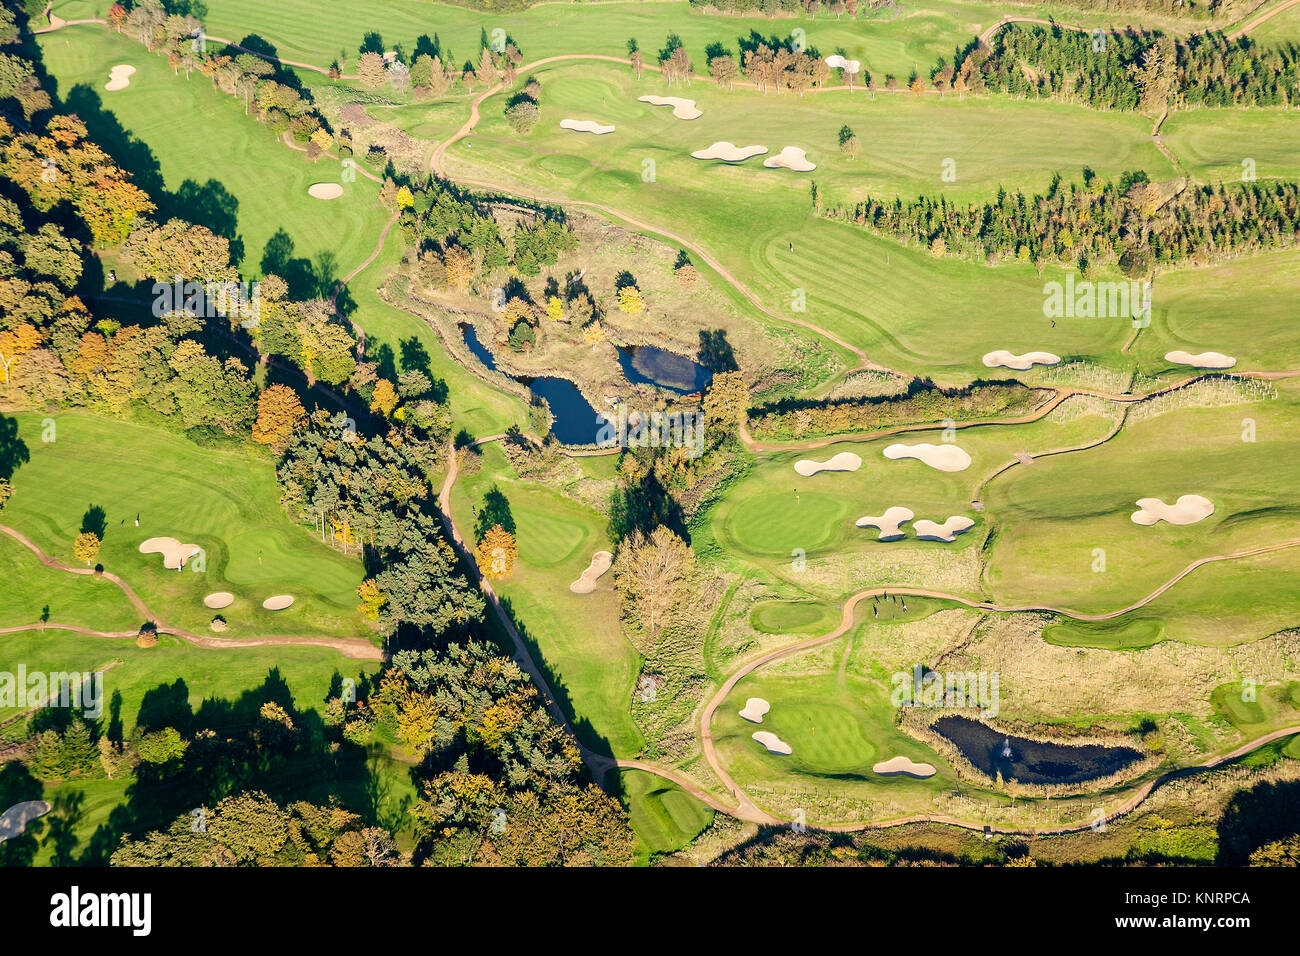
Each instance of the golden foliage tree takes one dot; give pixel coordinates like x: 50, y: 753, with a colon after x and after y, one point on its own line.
x: 279, y: 415
x: 496, y: 552
x: 653, y: 575
x: 86, y: 547
x: 372, y: 599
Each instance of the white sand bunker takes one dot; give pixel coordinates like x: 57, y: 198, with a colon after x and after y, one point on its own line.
x: 219, y: 599
x: 14, y: 820
x: 586, y: 126
x: 844, y: 461
x: 729, y: 152
x: 902, y: 766
x: 278, y: 603
x: 932, y: 531
x: 1188, y: 509
x: 324, y: 190
x: 1201, y: 359
x: 754, y: 710
x: 586, y: 583
x: 792, y: 157
x: 1001, y: 358
x: 943, y: 457
x: 682, y: 109
x: 119, y: 78
x: 837, y: 62
x: 174, y: 553
x: 773, y: 743
x: 888, y: 523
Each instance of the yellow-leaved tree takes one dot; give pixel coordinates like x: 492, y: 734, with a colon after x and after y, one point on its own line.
x: 496, y: 552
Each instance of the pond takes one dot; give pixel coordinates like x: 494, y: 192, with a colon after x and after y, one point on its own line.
x: 1032, y: 761
x: 648, y: 365
x: 575, y: 421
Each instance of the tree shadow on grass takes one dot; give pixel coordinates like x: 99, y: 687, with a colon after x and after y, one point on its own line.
x: 13, y: 450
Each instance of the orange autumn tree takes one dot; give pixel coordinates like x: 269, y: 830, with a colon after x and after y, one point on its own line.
x: 279, y: 415
x: 17, y: 342
x: 496, y: 553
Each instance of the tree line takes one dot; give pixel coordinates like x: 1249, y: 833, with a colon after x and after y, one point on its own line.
x: 1133, y: 223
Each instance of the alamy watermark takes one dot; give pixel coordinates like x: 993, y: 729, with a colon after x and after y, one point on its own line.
x: 921, y: 687
x: 29, y: 691
x: 209, y: 300
x: 1098, y: 300
x: 634, y: 429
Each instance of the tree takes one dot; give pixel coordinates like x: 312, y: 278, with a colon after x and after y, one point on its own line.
x: 726, y: 401
x: 15, y: 343
x: 496, y: 553
x: 630, y: 300
x: 653, y: 575
x: 372, y: 70
x: 522, y: 115
x: 372, y: 599
x: 638, y: 62
x: 279, y: 415
x: 554, y: 308
x: 86, y: 547
x: 848, y: 142
x: 1278, y: 853
x: 384, y: 398
x: 724, y: 70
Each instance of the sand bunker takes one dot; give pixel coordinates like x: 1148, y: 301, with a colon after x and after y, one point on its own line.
x: 931, y: 531
x: 754, y: 710
x: 729, y: 152
x: 586, y: 583
x: 902, y: 766
x: 1201, y: 359
x: 586, y: 126
x: 278, y: 603
x: 324, y: 190
x: 844, y: 461
x: 682, y: 109
x: 1001, y: 358
x: 942, y: 457
x: 174, y: 553
x: 119, y: 78
x: 792, y: 157
x: 888, y: 523
x: 837, y: 62
x: 219, y: 599
x: 14, y: 820
x: 1188, y: 509
x: 773, y: 743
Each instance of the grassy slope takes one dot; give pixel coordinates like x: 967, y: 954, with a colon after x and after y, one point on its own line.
x: 225, y: 501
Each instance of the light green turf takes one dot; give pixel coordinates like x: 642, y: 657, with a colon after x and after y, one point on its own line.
x: 225, y: 501
x: 664, y: 817
x: 579, y: 636
x: 792, y: 617
x: 1128, y: 633
x: 773, y: 511
x: 33, y: 591
x: 1212, y: 144
x: 1052, y: 517
x: 193, y: 132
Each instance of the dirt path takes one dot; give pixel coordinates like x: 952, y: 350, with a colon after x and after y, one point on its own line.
x: 347, y: 646
x: 1257, y: 18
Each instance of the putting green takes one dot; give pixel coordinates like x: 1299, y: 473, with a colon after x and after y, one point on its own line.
x: 792, y: 617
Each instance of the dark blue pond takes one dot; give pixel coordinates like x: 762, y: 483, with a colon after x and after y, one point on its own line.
x: 647, y: 365
x: 1032, y: 761
x: 575, y: 421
